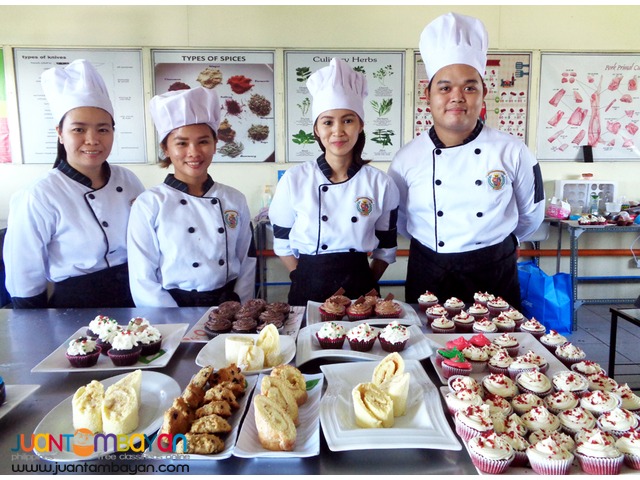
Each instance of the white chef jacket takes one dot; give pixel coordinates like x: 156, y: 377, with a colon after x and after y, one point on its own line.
x: 358, y: 215
x: 61, y: 227
x: 462, y: 198
x: 177, y: 240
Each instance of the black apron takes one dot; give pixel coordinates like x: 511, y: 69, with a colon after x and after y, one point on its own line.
x: 210, y: 298
x: 108, y: 288
x: 491, y: 269
x: 317, y: 277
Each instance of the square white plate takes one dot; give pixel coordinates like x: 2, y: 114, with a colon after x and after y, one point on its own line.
x: 407, y: 317
x: 418, y: 347
x: 423, y: 426
x: 171, y: 336
x: 16, y: 394
x: 307, y: 433
x: 213, y: 352
x: 229, y: 439
x: 157, y: 393
x: 526, y: 340
x: 291, y: 326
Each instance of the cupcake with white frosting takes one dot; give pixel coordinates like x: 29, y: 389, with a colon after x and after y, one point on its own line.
x: 548, y: 458
x: 491, y: 453
x: 597, y: 454
x: 617, y: 422
x: 629, y: 446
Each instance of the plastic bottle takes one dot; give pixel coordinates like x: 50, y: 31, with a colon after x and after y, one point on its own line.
x: 593, y: 206
x: 266, y: 196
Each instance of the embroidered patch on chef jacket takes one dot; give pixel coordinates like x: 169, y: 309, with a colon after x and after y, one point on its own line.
x: 231, y: 218
x: 497, y: 179
x: 364, y: 205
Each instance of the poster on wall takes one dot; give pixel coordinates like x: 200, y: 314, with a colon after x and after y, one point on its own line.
x: 122, y: 74
x: 506, y: 105
x: 383, y: 107
x: 244, y: 82
x: 589, y: 100
x: 5, y: 147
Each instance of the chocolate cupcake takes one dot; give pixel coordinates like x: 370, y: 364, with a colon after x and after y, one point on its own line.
x: 124, y: 350
x: 217, y: 325
x: 228, y: 309
x: 83, y: 352
x: 279, y: 307
x: 244, y: 325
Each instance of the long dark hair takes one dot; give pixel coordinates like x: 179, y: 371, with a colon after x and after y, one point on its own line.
x: 61, y: 153
x: 358, y: 148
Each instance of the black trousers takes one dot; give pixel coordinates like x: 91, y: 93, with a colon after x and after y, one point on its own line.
x: 103, y: 289
x: 491, y: 269
x: 320, y: 276
x: 210, y: 298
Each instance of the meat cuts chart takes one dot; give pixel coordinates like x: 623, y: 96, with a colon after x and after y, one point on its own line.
x: 589, y: 100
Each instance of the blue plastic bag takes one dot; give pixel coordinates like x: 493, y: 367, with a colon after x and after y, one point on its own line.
x: 546, y: 297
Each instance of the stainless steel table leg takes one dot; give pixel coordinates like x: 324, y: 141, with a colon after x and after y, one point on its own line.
x: 612, y: 344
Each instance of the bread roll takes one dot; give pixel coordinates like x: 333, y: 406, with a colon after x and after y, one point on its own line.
x: 392, y: 364
x: 120, y: 410
x: 86, y: 406
x: 373, y: 407
x: 276, y: 389
x: 269, y: 341
x: 232, y: 346
x: 250, y: 357
x: 397, y: 387
x: 276, y: 430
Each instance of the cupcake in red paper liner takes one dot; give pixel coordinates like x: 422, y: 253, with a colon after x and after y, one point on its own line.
x: 331, y: 311
x: 601, y: 381
x: 547, y: 457
x: 484, y: 325
x: 499, y: 363
x: 630, y: 401
x: 560, y: 401
x: 499, y: 384
x: 371, y: 298
x: 473, y: 421
x: 443, y: 325
x: 524, y: 402
x: 586, y: 367
x: 457, y: 365
x: 568, y: 353
x: 509, y: 343
x: 503, y: 323
x: 99, y: 323
x: 492, y: 349
x: 106, y: 336
x: 599, y: 402
x: 496, y: 306
x: 617, y: 422
x: 519, y: 445
x: 434, y: 312
x: 462, y: 399
x: 575, y: 420
x: 534, y: 327
x: 540, y: 418
x: 331, y: 335
x: 477, y: 357
x: 464, y: 382
x: 82, y: 352
x: 362, y: 337
x: 459, y: 342
x: 394, y: 337
x: 498, y: 405
x: 478, y: 311
x: 339, y: 297
x: 453, y: 306
x: 520, y: 364
x: 515, y: 315
x: 552, y: 340
x: 359, y: 310
x: 463, y: 322
x: 536, y: 359
x: 534, y: 382
x: 629, y: 445
x: 482, y: 297
x: 443, y: 353
x: 597, y: 454
x: 124, y: 350
x: 388, y: 308
x: 426, y: 300
x: 569, y: 381
x: 149, y: 337
x: 561, y: 438
x: 491, y: 453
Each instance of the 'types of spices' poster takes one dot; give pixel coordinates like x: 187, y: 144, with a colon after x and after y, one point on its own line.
x: 383, y: 107
x: 244, y: 82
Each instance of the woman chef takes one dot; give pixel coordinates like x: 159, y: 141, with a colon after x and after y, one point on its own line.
x: 328, y: 214
x: 70, y: 228
x: 190, y: 238
x: 468, y: 193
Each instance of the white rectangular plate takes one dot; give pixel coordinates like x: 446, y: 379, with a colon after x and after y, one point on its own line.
x: 418, y: 347
x: 229, y: 439
x: 307, y: 433
x: 407, y: 317
x: 213, y: 352
x: 291, y: 327
x: 157, y: 392
x: 171, y: 336
x: 526, y: 340
x: 16, y: 394
x: 423, y: 426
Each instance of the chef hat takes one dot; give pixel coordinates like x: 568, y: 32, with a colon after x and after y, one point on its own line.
x: 453, y: 38
x: 178, y: 108
x: 77, y: 85
x: 337, y: 86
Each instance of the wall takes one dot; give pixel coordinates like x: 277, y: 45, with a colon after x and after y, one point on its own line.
x: 573, y: 28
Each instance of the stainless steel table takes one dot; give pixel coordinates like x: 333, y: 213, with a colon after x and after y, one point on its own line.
x: 28, y: 336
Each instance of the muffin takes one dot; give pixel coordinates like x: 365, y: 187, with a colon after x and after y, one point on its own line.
x: 484, y: 325
x: 149, y: 338
x: 482, y: 297
x: 473, y: 421
x: 519, y: 444
x: 573, y: 420
x: 463, y: 322
x: 388, y: 308
x: 547, y: 457
x: 461, y: 399
x: 630, y: 401
x: 124, y: 350
x: 617, y: 422
x: 331, y: 311
x: 331, y: 335
x: 597, y: 454
x: 552, y: 340
x: 568, y: 353
x: 340, y: 298
x: 453, y: 306
x: 362, y: 337
x: 82, y: 352
x: 508, y: 342
x: 499, y: 363
x: 504, y: 323
x: 478, y: 311
x: 499, y: 384
x: 534, y: 327
x: 477, y: 357
x: 457, y: 365
x: 540, y: 418
x: 443, y: 325
x: 426, y: 300
x: 534, y: 382
x: 491, y: 453
x: 524, y: 402
x: 436, y: 311
x: 394, y: 337
x: 629, y: 446
x: 496, y: 306
x: 359, y: 310
x: 568, y: 381
x: 599, y: 402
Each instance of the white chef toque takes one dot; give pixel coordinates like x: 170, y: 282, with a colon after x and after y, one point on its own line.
x: 179, y: 108
x: 77, y: 85
x: 451, y: 39
x: 337, y: 86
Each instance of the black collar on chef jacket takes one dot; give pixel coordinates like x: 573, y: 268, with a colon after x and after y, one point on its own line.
x: 74, y: 174
x: 173, y: 182
x: 472, y: 136
x: 326, y: 170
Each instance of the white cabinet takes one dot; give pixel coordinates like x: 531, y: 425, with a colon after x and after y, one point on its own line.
x: 578, y: 192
